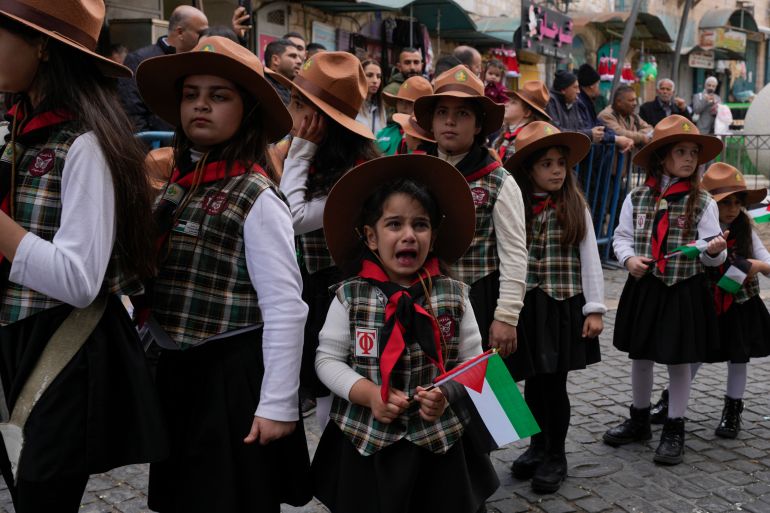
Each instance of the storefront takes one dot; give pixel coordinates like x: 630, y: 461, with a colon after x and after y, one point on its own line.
x: 543, y: 41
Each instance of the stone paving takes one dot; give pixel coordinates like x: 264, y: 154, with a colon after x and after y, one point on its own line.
x: 717, y: 475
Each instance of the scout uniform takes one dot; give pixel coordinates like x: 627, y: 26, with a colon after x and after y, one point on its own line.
x: 390, y: 138
x: 535, y: 95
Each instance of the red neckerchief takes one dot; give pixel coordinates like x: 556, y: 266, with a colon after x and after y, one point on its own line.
x: 540, y: 203
x: 508, y: 138
x: 405, y: 319
x: 24, y: 131
x: 723, y: 299
x: 660, y: 225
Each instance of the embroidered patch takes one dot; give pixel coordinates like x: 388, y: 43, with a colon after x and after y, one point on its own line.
x: 480, y: 196
x: 640, y: 220
x: 366, y: 343
x: 681, y: 222
x: 738, y: 177
x: 43, y: 163
x: 447, y: 325
x: 174, y: 193
x: 307, y: 64
x: 686, y: 127
x: 461, y: 76
x: 548, y: 130
x: 208, y: 48
x: 215, y: 204
x: 187, y: 228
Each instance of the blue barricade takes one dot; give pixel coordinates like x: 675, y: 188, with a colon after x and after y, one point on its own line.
x: 156, y: 139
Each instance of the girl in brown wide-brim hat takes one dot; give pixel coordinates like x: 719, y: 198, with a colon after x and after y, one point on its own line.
x: 327, y: 94
x: 561, y: 319
x: 460, y: 117
x: 75, y: 212
x: 391, y: 222
x: 227, y: 308
x: 666, y: 313
x: 524, y: 106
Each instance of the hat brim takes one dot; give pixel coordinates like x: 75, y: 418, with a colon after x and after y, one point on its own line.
x: 106, y: 67
x: 752, y: 195
x: 579, y: 145
x: 336, y: 114
x: 407, y: 124
x: 493, y: 112
x: 448, y: 186
x: 710, y: 147
x: 529, y: 104
x: 392, y: 99
x: 158, y: 80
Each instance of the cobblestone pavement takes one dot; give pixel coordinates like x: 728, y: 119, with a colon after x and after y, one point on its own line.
x: 717, y: 475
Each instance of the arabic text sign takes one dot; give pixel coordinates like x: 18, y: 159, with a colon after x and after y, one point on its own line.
x: 545, y: 31
x: 722, y: 38
x: 704, y: 59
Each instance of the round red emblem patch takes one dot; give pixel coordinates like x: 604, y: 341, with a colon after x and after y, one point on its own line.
x: 43, y: 163
x: 447, y: 325
x: 480, y: 196
x: 681, y: 222
x: 216, y: 203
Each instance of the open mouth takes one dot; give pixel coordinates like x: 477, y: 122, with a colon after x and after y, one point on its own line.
x: 406, y: 257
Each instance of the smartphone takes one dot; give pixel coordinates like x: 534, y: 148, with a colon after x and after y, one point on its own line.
x: 246, y: 4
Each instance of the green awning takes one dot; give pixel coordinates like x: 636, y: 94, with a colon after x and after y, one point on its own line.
x: 437, y: 15
x: 357, y: 5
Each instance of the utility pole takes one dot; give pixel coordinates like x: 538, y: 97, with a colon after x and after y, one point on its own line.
x: 679, y: 39
x: 626, y: 43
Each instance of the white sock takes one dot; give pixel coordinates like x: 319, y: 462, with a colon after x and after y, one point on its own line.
x: 678, y: 389
x: 641, y: 383
x: 736, y: 380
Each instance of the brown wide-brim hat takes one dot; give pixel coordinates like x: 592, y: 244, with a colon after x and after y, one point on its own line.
x: 535, y: 94
x: 159, y: 80
x: 410, y: 126
x: 675, y: 129
x: 334, y: 82
x: 342, y: 215
x: 722, y: 180
x: 75, y: 23
x: 460, y: 82
x: 541, y: 134
x: 412, y: 89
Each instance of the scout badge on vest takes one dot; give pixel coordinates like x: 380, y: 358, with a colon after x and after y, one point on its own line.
x: 367, y: 344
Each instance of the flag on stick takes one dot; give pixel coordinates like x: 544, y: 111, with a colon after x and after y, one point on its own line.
x: 496, y: 405
x: 691, y: 250
x: 761, y: 214
x: 732, y: 280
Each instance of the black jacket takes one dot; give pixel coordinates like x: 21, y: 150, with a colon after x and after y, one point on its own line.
x: 652, y: 111
x: 141, y: 116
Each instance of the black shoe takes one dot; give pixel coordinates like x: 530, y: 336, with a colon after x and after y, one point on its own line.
x: 550, y: 474
x: 525, y: 465
x: 307, y: 406
x: 730, y: 425
x: 671, y: 448
x: 634, y: 429
x: 659, y: 412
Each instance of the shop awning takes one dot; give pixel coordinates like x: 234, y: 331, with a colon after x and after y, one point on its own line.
x: 732, y: 18
x: 649, y: 29
x: 442, y: 16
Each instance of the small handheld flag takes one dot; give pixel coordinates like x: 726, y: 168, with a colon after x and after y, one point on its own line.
x: 761, y: 214
x: 691, y: 250
x: 496, y: 406
x: 732, y: 280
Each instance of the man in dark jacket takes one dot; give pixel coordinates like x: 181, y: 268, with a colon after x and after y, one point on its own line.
x: 566, y: 112
x: 588, y: 80
x: 664, y: 104
x: 185, y: 26
x: 409, y: 64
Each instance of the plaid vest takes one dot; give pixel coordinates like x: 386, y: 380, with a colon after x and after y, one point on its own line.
x: 314, y: 251
x: 553, y: 267
x: 38, y: 210
x: 481, y: 258
x: 203, y: 286
x: 366, y: 305
x: 679, y: 268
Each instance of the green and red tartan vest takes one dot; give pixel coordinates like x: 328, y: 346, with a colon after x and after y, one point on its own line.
x: 314, y: 251
x: 366, y: 306
x: 203, y: 286
x: 678, y: 268
x: 553, y: 267
x: 38, y: 210
x: 481, y: 258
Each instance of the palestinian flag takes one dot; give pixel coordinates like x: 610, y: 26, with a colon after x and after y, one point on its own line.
x: 490, y: 404
x: 732, y: 280
x: 691, y: 250
x: 761, y: 214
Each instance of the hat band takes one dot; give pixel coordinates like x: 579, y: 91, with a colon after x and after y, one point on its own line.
x: 531, y: 100
x: 48, y: 22
x: 458, y: 88
x: 325, y: 96
x: 732, y: 188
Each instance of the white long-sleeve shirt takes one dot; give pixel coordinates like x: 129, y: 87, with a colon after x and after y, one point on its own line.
x: 306, y: 216
x: 591, y: 275
x: 331, y: 362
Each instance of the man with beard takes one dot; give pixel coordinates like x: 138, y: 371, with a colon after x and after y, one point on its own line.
x: 409, y: 65
x: 664, y: 104
x: 704, y: 106
x: 282, y: 57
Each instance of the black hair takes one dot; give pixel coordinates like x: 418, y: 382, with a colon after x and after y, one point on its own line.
x: 222, y: 31
x: 408, y: 49
x: 277, y: 47
x: 741, y: 229
x: 71, y: 81
x: 480, y: 139
x: 314, y: 46
x: 445, y: 63
x: 371, y: 211
x: 293, y: 34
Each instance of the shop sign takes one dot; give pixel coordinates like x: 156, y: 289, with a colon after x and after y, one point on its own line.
x: 722, y: 38
x: 545, y: 31
x: 325, y: 35
x: 704, y: 59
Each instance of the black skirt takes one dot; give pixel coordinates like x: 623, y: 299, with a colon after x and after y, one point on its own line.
x: 744, y: 332
x: 316, y: 293
x: 483, y: 295
x: 401, y: 478
x: 209, y: 395
x: 669, y: 325
x: 549, y: 337
x: 100, y: 412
